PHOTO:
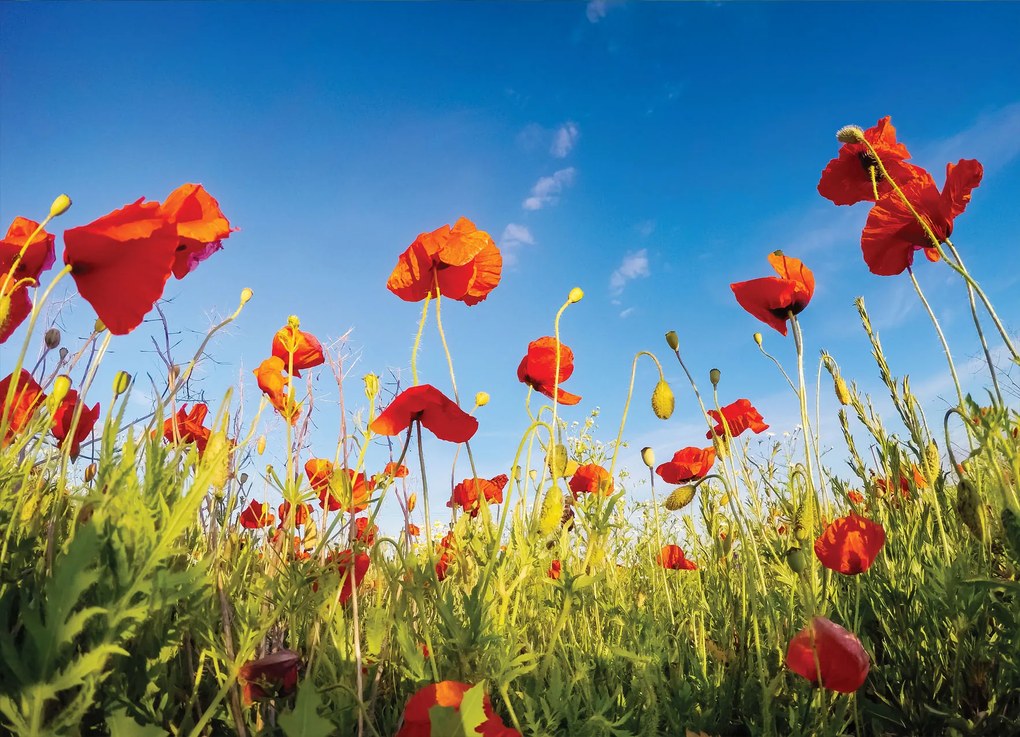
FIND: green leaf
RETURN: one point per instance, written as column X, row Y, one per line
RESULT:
column 122, row 725
column 447, row 721
column 304, row 720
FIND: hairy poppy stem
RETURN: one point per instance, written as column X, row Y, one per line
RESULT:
column 938, row 330
column 417, row 339
column 453, row 379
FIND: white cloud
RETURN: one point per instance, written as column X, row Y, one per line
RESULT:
column 634, row 265
column 565, row 139
column 596, row 10
column 627, row 313
column 994, row 140
column 514, row 236
column 547, row 189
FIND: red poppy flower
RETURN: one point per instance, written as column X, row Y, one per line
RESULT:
column 412, row 530
column 904, row 482
column 15, row 280
column 396, row 470
column 892, row 233
column 28, row 396
column 417, row 722
column 842, row 662
column 273, row 383
column 319, row 471
column 256, row 515
column 306, row 349
column 432, row 408
column 64, row 415
column 364, row 533
column 189, row 427
column 462, row 260
column 846, row 179
column 740, row 416
column 17, row 309
column 337, row 487
column 773, row 300
column 468, row 493
column 201, row 226
column 855, row 496
column 121, row 262
column 353, row 569
column 271, row 676
column 591, row 479
column 538, row 369
column 555, row 570
column 688, row 464
column 850, row 544
column 301, row 513
column 673, row 558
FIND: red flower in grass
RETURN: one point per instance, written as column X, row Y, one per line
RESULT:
column 363, row 532
column 673, row 558
column 904, row 482
column 412, row 530
column 432, row 408
column 188, row 426
column 846, row 179
column 15, row 304
column 855, row 496
column 319, row 471
column 892, row 233
column 469, row 493
column 417, row 720
column 555, row 570
column 256, row 515
column 842, row 664
column 63, row 416
column 268, row 677
column 850, row 544
column 462, row 261
column 773, row 300
column 306, row 348
column 740, row 416
column 688, row 464
column 538, row 369
column 353, row 569
column 201, row 226
column 27, row 398
column 591, row 479
column 301, row 513
column 273, row 383
column 121, row 262
column 338, row 488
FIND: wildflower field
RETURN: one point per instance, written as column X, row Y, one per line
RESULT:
column 149, row 585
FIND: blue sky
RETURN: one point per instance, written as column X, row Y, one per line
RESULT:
column 649, row 153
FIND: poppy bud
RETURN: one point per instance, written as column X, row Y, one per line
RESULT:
column 796, row 559
column 714, row 375
column 51, row 338
column 246, row 295
column 60, row 205
column 648, row 456
column 757, row 339
column 842, row 393
column 551, row 514
column 371, row 386
column 243, row 478
column 120, row 383
column 99, row 326
column 933, row 462
column 63, row 354
column 90, row 472
column 412, row 502
column 481, row 399
column 850, row 134
column 724, row 500
column 663, row 400
column 260, row 445
column 680, row 498
column 516, row 473
column 968, row 506
column 673, row 340
column 61, row 386
column 533, row 474
column 556, row 459
column 575, row 296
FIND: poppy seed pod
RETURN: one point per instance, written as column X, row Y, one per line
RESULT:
column 243, row 478
column 663, row 401
column 714, row 375
column 575, row 296
column 679, row 498
column 648, row 456
column 90, row 472
column 481, row 399
column 796, row 559
column 673, row 340
column 850, row 134
column 60, row 205
column 52, row 338
column 120, row 383
column 63, row 354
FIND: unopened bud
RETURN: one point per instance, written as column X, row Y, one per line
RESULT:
column 679, row 498
column 714, row 375
column 90, row 472
column 551, row 515
column 99, row 326
column 51, row 338
column 173, row 374
column 481, row 399
column 796, row 559
column 663, row 401
column 412, row 502
column 61, row 386
column 60, row 205
column 246, row 295
column 260, row 445
column 371, row 386
column 120, row 383
column 673, row 340
column 850, row 134
column 648, row 456
column 575, row 296
column 757, row 339
column 63, row 354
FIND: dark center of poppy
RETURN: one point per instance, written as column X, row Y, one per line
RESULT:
column 868, row 161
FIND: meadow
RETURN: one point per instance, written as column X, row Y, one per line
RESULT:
column 149, row 587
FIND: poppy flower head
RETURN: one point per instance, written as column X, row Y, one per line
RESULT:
column 121, row 262
column 849, row 545
column 364, row 532
column 892, row 234
column 27, row 398
column 842, row 663
column 462, row 262
column 301, row 513
column 740, row 416
column 342, row 487
column 353, row 569
column 63, row 416
column 672, row 557
column 773, row 300
column 271, row 676
column 201, row 226
column 432, row 408
column 305, row 347
column 273, row 383
column 468, row 493
column 688, row 464
column 413, row 530
column 256, row 515
column 538, row 369
column 37, row 257
column 847, row 179
column 418, row 723
column 591, row 478
column 188, row 426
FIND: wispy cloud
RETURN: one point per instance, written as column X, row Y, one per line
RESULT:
column 993, row 139
column 514, row 237
column 634, row 265
column 565, row 139
column 596, row 10
column 627, row 312
column 547, row 189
